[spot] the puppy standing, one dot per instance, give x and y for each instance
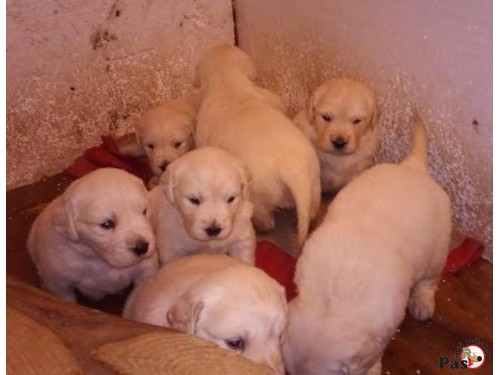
(217, 298)
(247, 121)
(203, 206)
(381, 247)
(94, 237)
(341, 122)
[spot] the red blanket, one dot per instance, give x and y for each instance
(270, 258)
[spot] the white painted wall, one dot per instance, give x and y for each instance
(435, 53)
(79, 69)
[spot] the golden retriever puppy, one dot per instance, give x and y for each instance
(202, 205)
(167, 132)
(220, 299)
(247, 121)
(341, 122)
(95, 237)
(380, 249)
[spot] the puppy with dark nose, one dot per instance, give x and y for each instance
(95, 237)
(202, 205)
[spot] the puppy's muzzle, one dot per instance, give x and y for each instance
(213, 230)
(339, 143)
(140, 248)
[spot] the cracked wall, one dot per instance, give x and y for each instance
(77, 70)
(435, 54)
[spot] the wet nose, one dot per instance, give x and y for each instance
(163, 166)
(213, 231)
(339, 143)
(141, 248)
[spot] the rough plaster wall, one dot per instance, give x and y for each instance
(79, 69)
(436, 54)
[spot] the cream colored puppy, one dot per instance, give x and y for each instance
(202, 205)
(247, 121)
(341, 122)
(217, 298)
(380, 249)
(95, 237)
(167, 132)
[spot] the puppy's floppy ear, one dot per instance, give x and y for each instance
(245, 179)
(374, 118)
(185, 314)
(64, 219)
(311, 107)
(168, 180)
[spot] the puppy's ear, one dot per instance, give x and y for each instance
(245, 179)
(311, 107)
(185, 314)
(168, 181)
(128, 144)
(64, 219)
(374, 118)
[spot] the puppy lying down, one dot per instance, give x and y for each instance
(380, 249)
(341, 122)
(220, 299)
(247, 121)
(202, 205)
(95, 237)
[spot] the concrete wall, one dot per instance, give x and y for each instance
(79, 69)
(437, 54)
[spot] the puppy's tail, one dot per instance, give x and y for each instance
(417, 157)
(305, 187)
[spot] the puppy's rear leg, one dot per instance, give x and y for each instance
(263, 218)
(64, 291)
(422, 298)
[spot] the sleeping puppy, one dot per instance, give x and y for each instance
(167, 132)
(248, 121)
(217, 298)
(202, 205)
(95, 237)
(341, 122)
(380, 249)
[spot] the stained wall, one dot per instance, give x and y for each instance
(434, 54)
(79, 69)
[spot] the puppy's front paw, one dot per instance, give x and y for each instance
(421, 304)
(263, 223)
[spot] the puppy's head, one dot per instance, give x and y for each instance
(208, 187)
(106, 211)
(238, 308)
(316, 343)
(342, 111)
(167, 132)
(224, 60)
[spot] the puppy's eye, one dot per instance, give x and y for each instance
(107, 224)
(150, 146)
(144, 211)
(178, 144)
(327, 117)
(194, 201)
(231, 199)
(356, 121)
(236, 344)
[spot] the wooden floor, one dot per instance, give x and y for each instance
(464, 305)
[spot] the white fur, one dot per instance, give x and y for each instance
(71, 250)
(167, 132)
(248, 121)
(351, 116)
(219, 182)
(218, 299)
(381, 247)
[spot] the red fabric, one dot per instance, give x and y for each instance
(468, 252)
(269, 257)
(278, 264)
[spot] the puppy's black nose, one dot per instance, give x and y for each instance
(141, 248)
(479, 358)
(213, 231)
(163, 166)
(339, 143)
